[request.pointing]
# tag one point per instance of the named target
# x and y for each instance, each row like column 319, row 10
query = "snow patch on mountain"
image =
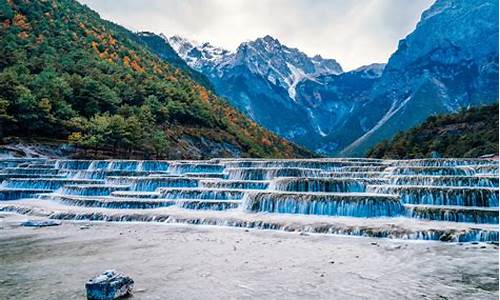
column 297, row 75
column 197, row 55
column 437, row 8
column 282, row 66
column 371, row 71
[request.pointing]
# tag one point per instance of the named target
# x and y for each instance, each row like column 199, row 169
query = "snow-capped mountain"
column 267, row 57
column 260, row 78
column 197, row 55
column 164, row 50
column 280, row 65
column 448, row 62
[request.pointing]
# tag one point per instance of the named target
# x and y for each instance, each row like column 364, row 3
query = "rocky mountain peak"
column 283, row 66
column 267, row 57
column 197, row 55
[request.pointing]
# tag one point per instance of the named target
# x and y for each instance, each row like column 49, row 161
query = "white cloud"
column 355, row 32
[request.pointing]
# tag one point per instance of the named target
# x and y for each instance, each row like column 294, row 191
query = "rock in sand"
column 40, row 223
column 108, row 286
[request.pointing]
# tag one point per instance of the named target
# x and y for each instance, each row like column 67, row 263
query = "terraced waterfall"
column 430, row 199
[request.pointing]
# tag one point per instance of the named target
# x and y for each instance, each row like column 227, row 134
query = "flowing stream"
column 431, row 199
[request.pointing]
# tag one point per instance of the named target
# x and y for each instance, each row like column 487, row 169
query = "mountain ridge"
column 449, row 61
column 66, row 74
column 260, row 78
column 260, row 55
column 437, row 68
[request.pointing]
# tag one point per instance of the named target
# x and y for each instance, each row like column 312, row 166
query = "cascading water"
column 270, row 173
column 338, row 196
column 182, row 168
column 462, row 170
column 433, row 180
column 374, row 175
column 330, row 204
column 442, row 162
column 325, row 165
column 30, row 171
column 74, row 164
column 235, row 184
column 334, row 185
column 454, row 213
column 91, row 189
column 44, row 183
column 14, row 194
column 101, row 174
column 205, row 194
column 436, row 195
column 205, row 175
column 151, row 183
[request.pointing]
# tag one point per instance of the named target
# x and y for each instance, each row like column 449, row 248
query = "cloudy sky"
column 354, row 32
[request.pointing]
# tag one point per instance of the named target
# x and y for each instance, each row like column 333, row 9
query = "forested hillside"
column 468, row 133
column 66, row 74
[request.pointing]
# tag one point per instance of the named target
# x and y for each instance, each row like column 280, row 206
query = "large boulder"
column 108, row 286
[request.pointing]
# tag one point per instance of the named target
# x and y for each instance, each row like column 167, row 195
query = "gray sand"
column 203, row 262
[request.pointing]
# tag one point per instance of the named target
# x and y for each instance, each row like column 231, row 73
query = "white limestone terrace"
column 429, row 199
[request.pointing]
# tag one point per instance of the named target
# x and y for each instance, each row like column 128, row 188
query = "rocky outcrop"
column 109, row 285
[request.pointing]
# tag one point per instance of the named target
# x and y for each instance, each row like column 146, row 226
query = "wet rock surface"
column 40, row 223
column 109, row 285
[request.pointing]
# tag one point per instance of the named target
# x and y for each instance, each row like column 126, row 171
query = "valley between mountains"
column 448, row 62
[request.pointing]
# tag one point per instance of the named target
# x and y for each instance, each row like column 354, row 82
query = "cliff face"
column 448, row 62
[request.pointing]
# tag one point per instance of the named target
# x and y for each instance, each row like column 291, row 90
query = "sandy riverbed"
column 203, row 262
